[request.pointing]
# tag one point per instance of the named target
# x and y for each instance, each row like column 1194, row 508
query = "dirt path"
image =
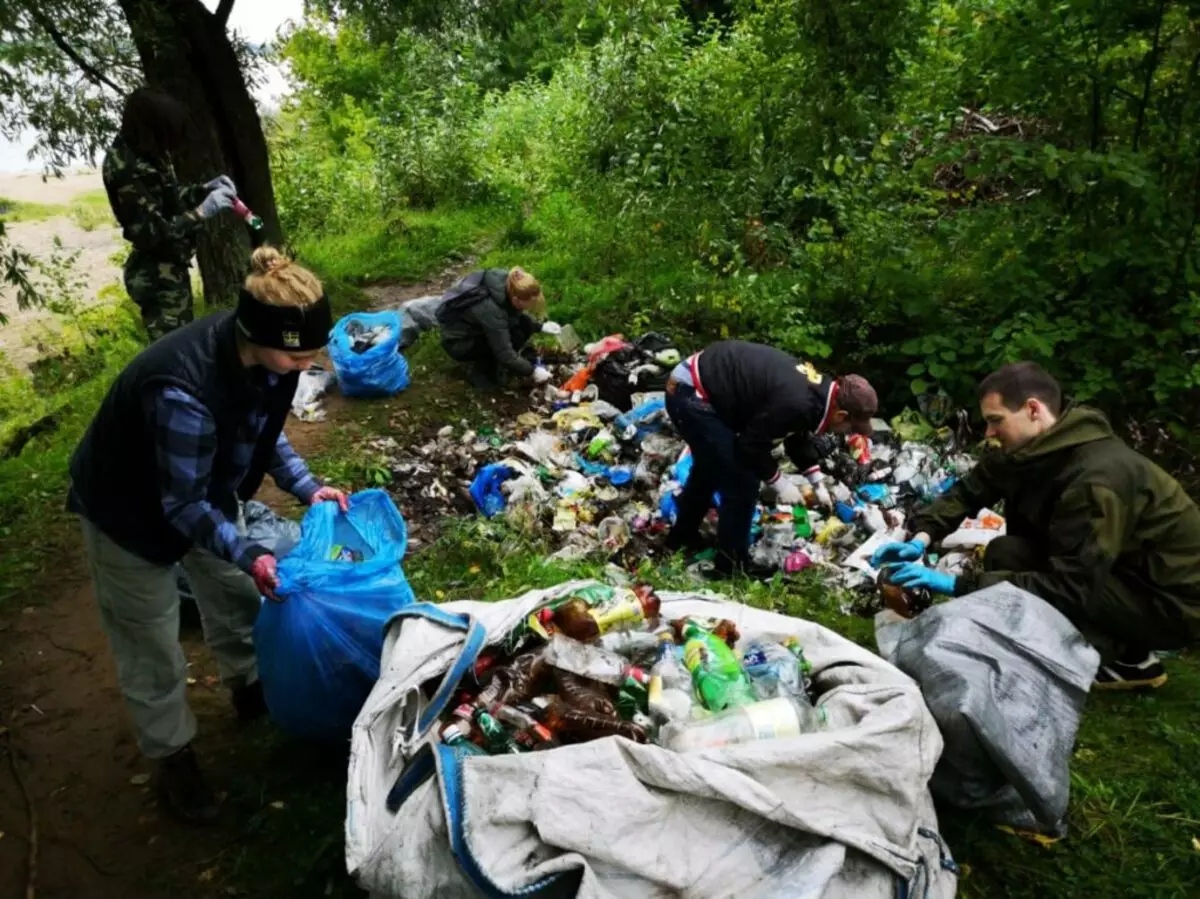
column 100, row 833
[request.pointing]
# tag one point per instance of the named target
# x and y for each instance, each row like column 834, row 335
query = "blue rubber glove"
column 898, row 552
column 912, row 576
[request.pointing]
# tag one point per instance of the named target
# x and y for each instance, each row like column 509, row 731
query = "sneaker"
column 1144, row 675
column 249, row 702
column 182, row 791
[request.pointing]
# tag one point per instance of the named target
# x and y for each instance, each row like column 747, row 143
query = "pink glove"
column 265, row 578
column 330, row 494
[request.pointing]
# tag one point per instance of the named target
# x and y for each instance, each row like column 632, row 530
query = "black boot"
column 182, row 791
column 248, row 702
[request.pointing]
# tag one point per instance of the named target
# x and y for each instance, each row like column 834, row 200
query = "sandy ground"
column 20, row 337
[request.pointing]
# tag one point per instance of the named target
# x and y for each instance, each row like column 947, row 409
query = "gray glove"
column 220, row 198
column 222, row 181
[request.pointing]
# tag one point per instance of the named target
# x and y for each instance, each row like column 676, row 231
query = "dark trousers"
column 478, row 352
column 715, row 467
column 1122, row 622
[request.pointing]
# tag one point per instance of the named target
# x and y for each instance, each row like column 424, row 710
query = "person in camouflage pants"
column 159, row 216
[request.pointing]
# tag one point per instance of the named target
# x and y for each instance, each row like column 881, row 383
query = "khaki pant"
column 139, row 608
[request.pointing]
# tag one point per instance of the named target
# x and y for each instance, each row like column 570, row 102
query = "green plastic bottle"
column 718, row 678
column 801, row 526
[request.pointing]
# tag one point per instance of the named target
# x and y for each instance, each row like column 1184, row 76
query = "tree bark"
column 186, row 51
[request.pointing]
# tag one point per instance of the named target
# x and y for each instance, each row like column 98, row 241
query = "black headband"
column 293, row 329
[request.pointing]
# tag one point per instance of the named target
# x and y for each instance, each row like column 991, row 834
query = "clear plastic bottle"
column 670, row 692
column 766, row 720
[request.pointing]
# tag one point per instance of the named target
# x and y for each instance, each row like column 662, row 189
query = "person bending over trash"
column 485, row 321
column 159, row 216
column 191, row 426
column 1097, row 530
column 732, row 402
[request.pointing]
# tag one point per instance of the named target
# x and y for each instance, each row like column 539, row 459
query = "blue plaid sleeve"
column 186, row 438
column 290, row 471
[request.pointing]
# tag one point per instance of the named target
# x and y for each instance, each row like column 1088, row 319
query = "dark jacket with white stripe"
column 765, row 396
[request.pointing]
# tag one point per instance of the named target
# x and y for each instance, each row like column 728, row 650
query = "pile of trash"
column 598, row 661
column 597, row 466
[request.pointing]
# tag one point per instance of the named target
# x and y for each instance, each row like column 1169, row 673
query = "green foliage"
column 43, row 414
column 890, row 185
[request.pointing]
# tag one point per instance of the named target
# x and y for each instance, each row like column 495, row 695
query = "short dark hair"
column 153, row 122
column 1021, row 381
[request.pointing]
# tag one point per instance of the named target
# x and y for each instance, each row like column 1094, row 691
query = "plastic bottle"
column 454, row 734
column 242, row 211
column 669, row 696
column 801, row 526
column 784, row 716
column 579, row 726
column 579, row 693
column 496, row 737
column 717, row 676
column 576, row 619
column 774, row 670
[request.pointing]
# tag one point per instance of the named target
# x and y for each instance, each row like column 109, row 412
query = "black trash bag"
column 633, row 369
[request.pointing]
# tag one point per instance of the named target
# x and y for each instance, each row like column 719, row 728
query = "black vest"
column 114, row 472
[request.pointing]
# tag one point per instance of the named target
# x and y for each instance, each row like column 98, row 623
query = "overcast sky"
column 258, row 20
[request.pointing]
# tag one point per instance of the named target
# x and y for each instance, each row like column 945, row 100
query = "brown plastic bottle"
column 578, row 726
column 578, row 620
column 584, row 695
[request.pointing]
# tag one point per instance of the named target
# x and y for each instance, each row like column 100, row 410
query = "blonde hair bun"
column 266, row 259
column 276, row 280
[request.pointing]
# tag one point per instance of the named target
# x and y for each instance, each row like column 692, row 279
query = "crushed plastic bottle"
column 769, row 719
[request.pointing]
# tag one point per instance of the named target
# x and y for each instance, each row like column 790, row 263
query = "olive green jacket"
column 1096, row 508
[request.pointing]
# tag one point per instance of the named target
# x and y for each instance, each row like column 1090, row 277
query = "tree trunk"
column 186, row 51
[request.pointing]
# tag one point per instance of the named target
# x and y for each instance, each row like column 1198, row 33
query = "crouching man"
column 1095, row 529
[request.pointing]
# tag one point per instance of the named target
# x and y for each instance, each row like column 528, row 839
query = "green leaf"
column 938, row 370
column 949, row 355
column 917, row 368
column 839, row 165
column 919, row 387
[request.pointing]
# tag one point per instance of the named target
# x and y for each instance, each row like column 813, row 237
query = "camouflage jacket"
column 157, row 214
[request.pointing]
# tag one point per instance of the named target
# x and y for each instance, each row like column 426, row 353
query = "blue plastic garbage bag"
column 648, row 418
column 668, row 506
column 485, row 489
column 318, row 649
column 380, row 370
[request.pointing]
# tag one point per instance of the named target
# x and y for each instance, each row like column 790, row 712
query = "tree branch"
column 222, row 12
column 61, row 42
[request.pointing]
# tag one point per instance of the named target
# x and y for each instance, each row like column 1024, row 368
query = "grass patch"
column 88, row 210
column 91, row 210
column 22, row 211
column 407, row 247
column 42, row 417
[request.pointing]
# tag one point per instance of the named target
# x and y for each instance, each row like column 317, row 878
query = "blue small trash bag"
column 380, row 370
column 318, row 650
column 668, row 505
column 485, row 489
